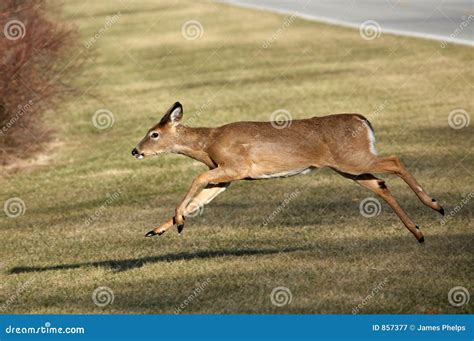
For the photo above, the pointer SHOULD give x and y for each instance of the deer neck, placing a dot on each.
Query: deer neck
(193, 142)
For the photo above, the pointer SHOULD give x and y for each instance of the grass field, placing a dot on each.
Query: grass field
(89, 203)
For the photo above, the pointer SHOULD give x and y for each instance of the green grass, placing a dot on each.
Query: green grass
(319, 246)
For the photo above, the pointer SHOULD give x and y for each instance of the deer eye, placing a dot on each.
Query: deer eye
(154, 135)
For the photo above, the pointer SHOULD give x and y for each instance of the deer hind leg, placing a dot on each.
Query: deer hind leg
(379, 187)
(393, 165)
(203, 198)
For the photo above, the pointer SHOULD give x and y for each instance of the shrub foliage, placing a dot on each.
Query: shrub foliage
(38, 57)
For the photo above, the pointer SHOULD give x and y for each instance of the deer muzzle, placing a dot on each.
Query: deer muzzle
(137, 154)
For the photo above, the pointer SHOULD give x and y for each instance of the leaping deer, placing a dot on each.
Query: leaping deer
(258, 150)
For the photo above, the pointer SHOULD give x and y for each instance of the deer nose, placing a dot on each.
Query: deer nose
(134, 152)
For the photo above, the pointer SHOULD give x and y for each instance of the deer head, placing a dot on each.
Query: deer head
(162, 137)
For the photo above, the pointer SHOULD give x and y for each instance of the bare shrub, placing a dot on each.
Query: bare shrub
(38, 56)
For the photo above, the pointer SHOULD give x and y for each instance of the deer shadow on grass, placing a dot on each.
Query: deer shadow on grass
(390, 247)
(128, 264)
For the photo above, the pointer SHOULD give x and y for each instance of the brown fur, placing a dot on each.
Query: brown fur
(256, 150)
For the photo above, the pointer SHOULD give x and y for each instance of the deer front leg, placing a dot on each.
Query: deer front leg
(204, 197)
(214, 176)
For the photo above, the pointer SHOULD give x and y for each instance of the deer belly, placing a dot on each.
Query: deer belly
(283, 174)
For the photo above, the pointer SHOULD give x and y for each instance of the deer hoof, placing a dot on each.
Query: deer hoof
(180, 228)
(441, 211)
(421, 240)
(151, 234)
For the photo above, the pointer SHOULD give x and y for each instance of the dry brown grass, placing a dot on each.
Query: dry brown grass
(319, 246)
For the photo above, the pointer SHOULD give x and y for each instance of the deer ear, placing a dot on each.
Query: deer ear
(173, 115)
